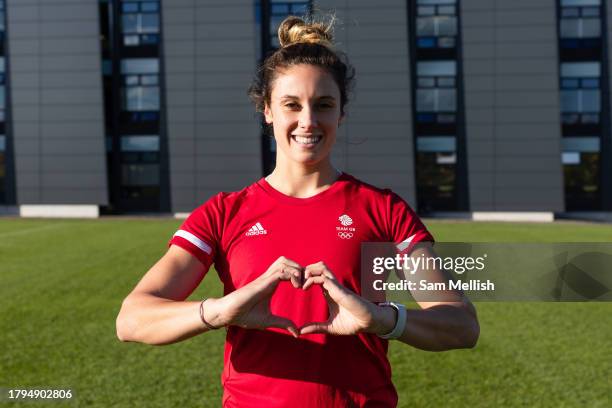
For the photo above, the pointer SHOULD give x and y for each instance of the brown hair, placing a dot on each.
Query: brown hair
(303, 43)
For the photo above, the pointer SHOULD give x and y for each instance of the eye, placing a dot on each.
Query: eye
(292, 105)
(326, 105)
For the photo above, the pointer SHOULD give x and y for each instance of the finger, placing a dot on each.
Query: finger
(343, 296)
(291, 273)
(296, 277)
(333, 290)
(313, 280)
(289, 262)
(282, 323)
(326, 282)
(313, 270)
(315, 327)
(285, 272)
(318, 268)
(267, 283)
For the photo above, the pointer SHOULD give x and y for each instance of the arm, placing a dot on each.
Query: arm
(155, 311)
(441, 327)
(449, 322)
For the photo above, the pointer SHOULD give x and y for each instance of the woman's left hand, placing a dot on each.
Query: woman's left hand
(349, 313)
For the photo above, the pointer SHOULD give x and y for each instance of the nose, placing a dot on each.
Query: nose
(307, 118)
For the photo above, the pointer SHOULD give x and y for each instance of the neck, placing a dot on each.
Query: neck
(302, 181)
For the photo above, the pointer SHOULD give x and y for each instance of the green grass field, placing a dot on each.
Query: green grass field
(62, 283)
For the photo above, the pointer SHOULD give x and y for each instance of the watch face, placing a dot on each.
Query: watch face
(400, 324)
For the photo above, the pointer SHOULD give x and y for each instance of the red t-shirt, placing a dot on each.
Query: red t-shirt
(243, 233)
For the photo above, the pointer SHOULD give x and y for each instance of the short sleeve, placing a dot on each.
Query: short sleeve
(406, 228)
(199, 234)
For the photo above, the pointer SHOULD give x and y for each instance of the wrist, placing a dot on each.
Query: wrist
(211, 313)
(385, 319)
(400, 321)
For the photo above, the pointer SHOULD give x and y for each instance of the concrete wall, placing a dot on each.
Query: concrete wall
(56, 95)
(214, 138)
(512, 105)
(375, 144)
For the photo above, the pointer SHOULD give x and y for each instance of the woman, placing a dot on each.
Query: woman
(287, 250)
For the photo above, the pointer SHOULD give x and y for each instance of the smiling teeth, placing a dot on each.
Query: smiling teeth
(307, 140)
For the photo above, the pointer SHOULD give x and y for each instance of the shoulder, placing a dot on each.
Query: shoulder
(383, 201)
(370, 191)
(226, 202)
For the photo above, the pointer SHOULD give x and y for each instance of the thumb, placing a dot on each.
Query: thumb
(315, 327)
(283, 323)
(261, 287)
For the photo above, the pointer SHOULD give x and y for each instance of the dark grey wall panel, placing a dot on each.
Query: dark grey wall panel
(606, 143)
(56, 97)
(375, 143)
(209, 63)
(512, 105)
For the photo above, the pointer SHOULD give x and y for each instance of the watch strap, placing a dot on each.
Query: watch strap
(400, 324)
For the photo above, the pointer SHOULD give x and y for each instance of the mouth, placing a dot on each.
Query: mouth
(307, 140)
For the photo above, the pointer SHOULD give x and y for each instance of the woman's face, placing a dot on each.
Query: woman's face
(304, 110)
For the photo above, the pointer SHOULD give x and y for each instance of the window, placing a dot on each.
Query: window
(436, 174)
(131, 69)
(580, 92)
(140, 143)
(140, 22)
(2, 104)
(140, 84)
(140, 171)
(434, 31)
(141, 175)
(436, 90)
(140, 66)
(443, 147)
(436, 23)
(578, 3)
(2, 16)
(580, 23)
(581, 160)
(2, 89)
(581, 78)
(2, 167)
(588, 144)
(279, 10)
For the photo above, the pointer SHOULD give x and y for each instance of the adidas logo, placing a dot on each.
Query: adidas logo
(256, 229)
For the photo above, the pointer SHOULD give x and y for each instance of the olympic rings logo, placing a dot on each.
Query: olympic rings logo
(345, 235)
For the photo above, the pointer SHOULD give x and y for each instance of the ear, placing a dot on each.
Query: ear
(341, 120)
(268, 114)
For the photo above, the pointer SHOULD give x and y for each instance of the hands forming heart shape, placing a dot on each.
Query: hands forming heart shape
(249, 306)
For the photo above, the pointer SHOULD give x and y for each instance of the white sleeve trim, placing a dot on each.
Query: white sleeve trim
(405, 243)
(194, 240)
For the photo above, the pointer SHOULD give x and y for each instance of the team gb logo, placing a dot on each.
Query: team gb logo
(345, 220)
(346, 231)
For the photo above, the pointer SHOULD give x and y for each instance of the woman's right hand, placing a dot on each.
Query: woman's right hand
(249, 306)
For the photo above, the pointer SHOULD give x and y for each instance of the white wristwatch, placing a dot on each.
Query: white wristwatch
(400, 324)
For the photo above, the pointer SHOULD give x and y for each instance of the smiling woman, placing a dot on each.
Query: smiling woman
(287, 249)
(305, 114)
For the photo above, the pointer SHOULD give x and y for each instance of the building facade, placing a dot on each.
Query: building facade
(490, 108)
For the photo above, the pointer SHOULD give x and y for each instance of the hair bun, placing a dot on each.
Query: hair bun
(295, 30)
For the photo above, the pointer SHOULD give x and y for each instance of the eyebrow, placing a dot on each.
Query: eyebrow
(295, 97)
